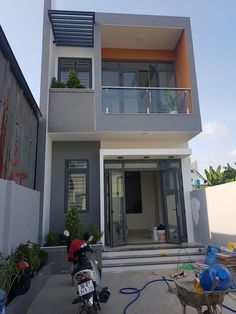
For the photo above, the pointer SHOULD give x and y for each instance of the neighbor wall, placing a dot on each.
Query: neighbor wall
(214, 214)
(19, 212)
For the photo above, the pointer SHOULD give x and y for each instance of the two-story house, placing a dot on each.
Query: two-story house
(118, 148)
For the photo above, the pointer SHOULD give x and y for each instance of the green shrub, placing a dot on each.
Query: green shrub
(95, 232)
(29, 252)
(218, 176)
(8, 272)
(229, 173)
(57, 84)
(62, 239)
(73, 223)
(52, 238)
(73, 80)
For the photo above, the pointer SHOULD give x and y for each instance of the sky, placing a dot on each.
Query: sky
(213, 24)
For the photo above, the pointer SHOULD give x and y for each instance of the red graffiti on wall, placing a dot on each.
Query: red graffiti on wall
(3, 124)
(8, 164)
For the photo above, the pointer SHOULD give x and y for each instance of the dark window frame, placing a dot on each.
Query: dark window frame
(68, 171)
(149, 62)
(60, 67)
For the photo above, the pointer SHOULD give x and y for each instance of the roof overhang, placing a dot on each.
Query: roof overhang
(140, 37)
(154, 153)
(72, 28)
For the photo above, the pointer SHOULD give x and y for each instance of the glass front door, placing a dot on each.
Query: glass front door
(115, 208)
(171, 205)
(166, 192)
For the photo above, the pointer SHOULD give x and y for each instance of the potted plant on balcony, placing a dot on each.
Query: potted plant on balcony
(72, 82)
(171, 101)
(57, 84)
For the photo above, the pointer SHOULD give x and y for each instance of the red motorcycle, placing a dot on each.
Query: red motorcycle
(87, 278)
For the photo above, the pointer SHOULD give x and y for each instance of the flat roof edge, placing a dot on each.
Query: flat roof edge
(9, 55)
(142, 20)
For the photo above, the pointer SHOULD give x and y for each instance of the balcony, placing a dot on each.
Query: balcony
(142, 100)
(71, 110)
(163, 113)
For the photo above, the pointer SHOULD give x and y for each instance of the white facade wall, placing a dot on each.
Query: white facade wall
(4, 201)
(140, 144)
(47, 187)
(187, 185)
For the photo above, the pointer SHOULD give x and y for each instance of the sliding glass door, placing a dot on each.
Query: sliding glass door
(171, 205)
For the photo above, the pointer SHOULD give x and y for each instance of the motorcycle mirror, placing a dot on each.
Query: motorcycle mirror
(90, 238)
(66, 233)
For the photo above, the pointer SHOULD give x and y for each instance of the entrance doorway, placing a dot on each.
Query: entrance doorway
(139, 196)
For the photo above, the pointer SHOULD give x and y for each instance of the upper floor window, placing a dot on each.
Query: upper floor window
(138, 74)
(83, 67)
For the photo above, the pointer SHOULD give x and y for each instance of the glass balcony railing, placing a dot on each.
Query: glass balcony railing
(146, 100)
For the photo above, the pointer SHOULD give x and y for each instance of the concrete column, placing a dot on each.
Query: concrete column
(186, 173)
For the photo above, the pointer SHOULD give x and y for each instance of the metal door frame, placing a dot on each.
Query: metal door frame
(177, 172)
(177, 206)
(110, 211)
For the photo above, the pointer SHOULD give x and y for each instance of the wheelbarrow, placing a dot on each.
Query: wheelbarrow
(187, 296)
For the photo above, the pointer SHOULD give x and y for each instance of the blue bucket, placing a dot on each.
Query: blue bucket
(2, 301)
(196, 183)
(208, 276)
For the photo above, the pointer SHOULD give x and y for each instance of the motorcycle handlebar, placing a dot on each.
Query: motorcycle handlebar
(84, 249)
(90, 249)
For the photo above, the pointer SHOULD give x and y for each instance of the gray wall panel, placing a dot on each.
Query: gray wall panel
(151, 122)
(71, 110)
(62, 151)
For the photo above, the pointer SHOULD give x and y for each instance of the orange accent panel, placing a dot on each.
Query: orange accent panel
(182, 63)
(137, 54)
(182, 66)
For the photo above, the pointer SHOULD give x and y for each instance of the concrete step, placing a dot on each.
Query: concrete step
(150, 253)
(149, 257)
(150, 260)
(151, 246)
